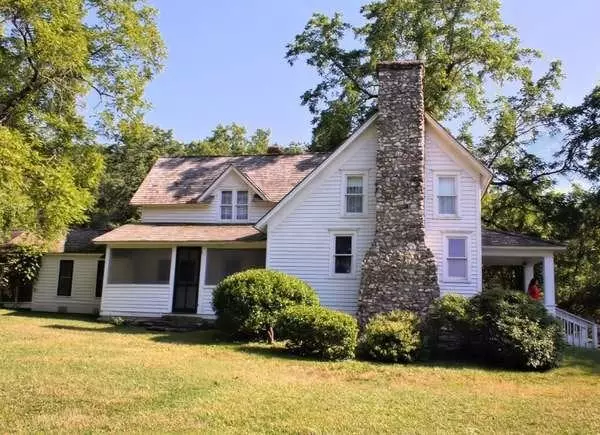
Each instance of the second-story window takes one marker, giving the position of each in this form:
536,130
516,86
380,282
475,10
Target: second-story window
447,196
234,205
241,207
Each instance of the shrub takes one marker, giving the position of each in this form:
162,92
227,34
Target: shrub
451,328
247,303
518,332
391,337
319,332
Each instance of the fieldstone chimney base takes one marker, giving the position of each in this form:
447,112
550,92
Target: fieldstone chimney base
399,270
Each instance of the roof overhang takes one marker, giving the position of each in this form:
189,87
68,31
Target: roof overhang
229,170
462,152
262,222
179,234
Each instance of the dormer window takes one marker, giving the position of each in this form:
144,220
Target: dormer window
354,195
447,195
234,204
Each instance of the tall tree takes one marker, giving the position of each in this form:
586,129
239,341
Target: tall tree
52,54
134,150
231,139
464,44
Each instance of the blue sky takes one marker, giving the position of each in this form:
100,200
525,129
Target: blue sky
226,59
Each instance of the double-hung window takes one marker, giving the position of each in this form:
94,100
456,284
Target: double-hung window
354,201
234,205
457,263
343,254
447,195
65,278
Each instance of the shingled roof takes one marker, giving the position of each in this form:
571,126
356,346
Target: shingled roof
183,180
499,238
76,241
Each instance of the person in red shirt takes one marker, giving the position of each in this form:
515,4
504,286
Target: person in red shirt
534,290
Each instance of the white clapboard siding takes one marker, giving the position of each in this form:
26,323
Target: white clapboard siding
299,240
468,223
207,213
136,300
205,305
83,291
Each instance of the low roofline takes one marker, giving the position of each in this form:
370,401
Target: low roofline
526,248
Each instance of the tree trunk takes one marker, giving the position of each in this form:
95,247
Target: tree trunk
271,335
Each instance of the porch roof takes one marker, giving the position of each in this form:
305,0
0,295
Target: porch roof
165,233
497,238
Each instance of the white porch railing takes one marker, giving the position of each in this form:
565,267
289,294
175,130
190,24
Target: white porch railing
578,331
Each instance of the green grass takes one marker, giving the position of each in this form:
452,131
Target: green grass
66,374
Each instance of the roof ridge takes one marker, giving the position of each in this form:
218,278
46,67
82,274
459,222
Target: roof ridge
203,156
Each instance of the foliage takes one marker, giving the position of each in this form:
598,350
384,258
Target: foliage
231,140
391,337
53,54
248,303
318,331
517,332
19,267
449,327
136,148
464,44
499,327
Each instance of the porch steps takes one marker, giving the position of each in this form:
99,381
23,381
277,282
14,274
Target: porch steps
173,323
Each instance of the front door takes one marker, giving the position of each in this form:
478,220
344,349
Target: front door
187,279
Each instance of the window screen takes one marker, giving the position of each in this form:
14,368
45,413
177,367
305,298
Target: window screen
457,258
221,263
354,194
139,266
447,195
65,278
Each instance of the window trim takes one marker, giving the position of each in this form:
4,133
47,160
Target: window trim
333,234
445,266
436,202
58,289
344,191
234,204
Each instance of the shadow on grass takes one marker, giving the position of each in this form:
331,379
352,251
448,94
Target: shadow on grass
49,315
586,360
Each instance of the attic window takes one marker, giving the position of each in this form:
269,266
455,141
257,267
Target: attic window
234,205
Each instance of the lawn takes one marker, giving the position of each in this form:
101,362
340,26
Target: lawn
68,374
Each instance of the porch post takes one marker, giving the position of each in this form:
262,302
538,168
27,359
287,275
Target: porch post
549,295
527,275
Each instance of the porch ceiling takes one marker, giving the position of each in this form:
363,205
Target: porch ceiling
156,233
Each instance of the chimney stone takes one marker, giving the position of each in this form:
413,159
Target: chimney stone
399,270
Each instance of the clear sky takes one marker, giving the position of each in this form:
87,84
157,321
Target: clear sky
226,59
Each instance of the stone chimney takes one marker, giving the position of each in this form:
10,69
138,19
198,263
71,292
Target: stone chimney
399,270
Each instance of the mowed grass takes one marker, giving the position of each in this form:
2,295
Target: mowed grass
68,374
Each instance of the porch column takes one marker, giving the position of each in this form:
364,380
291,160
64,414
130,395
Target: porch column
549,295
527,275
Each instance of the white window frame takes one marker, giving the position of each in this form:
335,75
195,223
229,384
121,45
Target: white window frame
445,266
332,236
234,204
436,202
344,190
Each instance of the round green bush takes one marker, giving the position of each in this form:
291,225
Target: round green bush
391,337
319,332
248,303
518,332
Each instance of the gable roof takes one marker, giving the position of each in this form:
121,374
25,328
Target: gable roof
463,153
497,238
184,180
